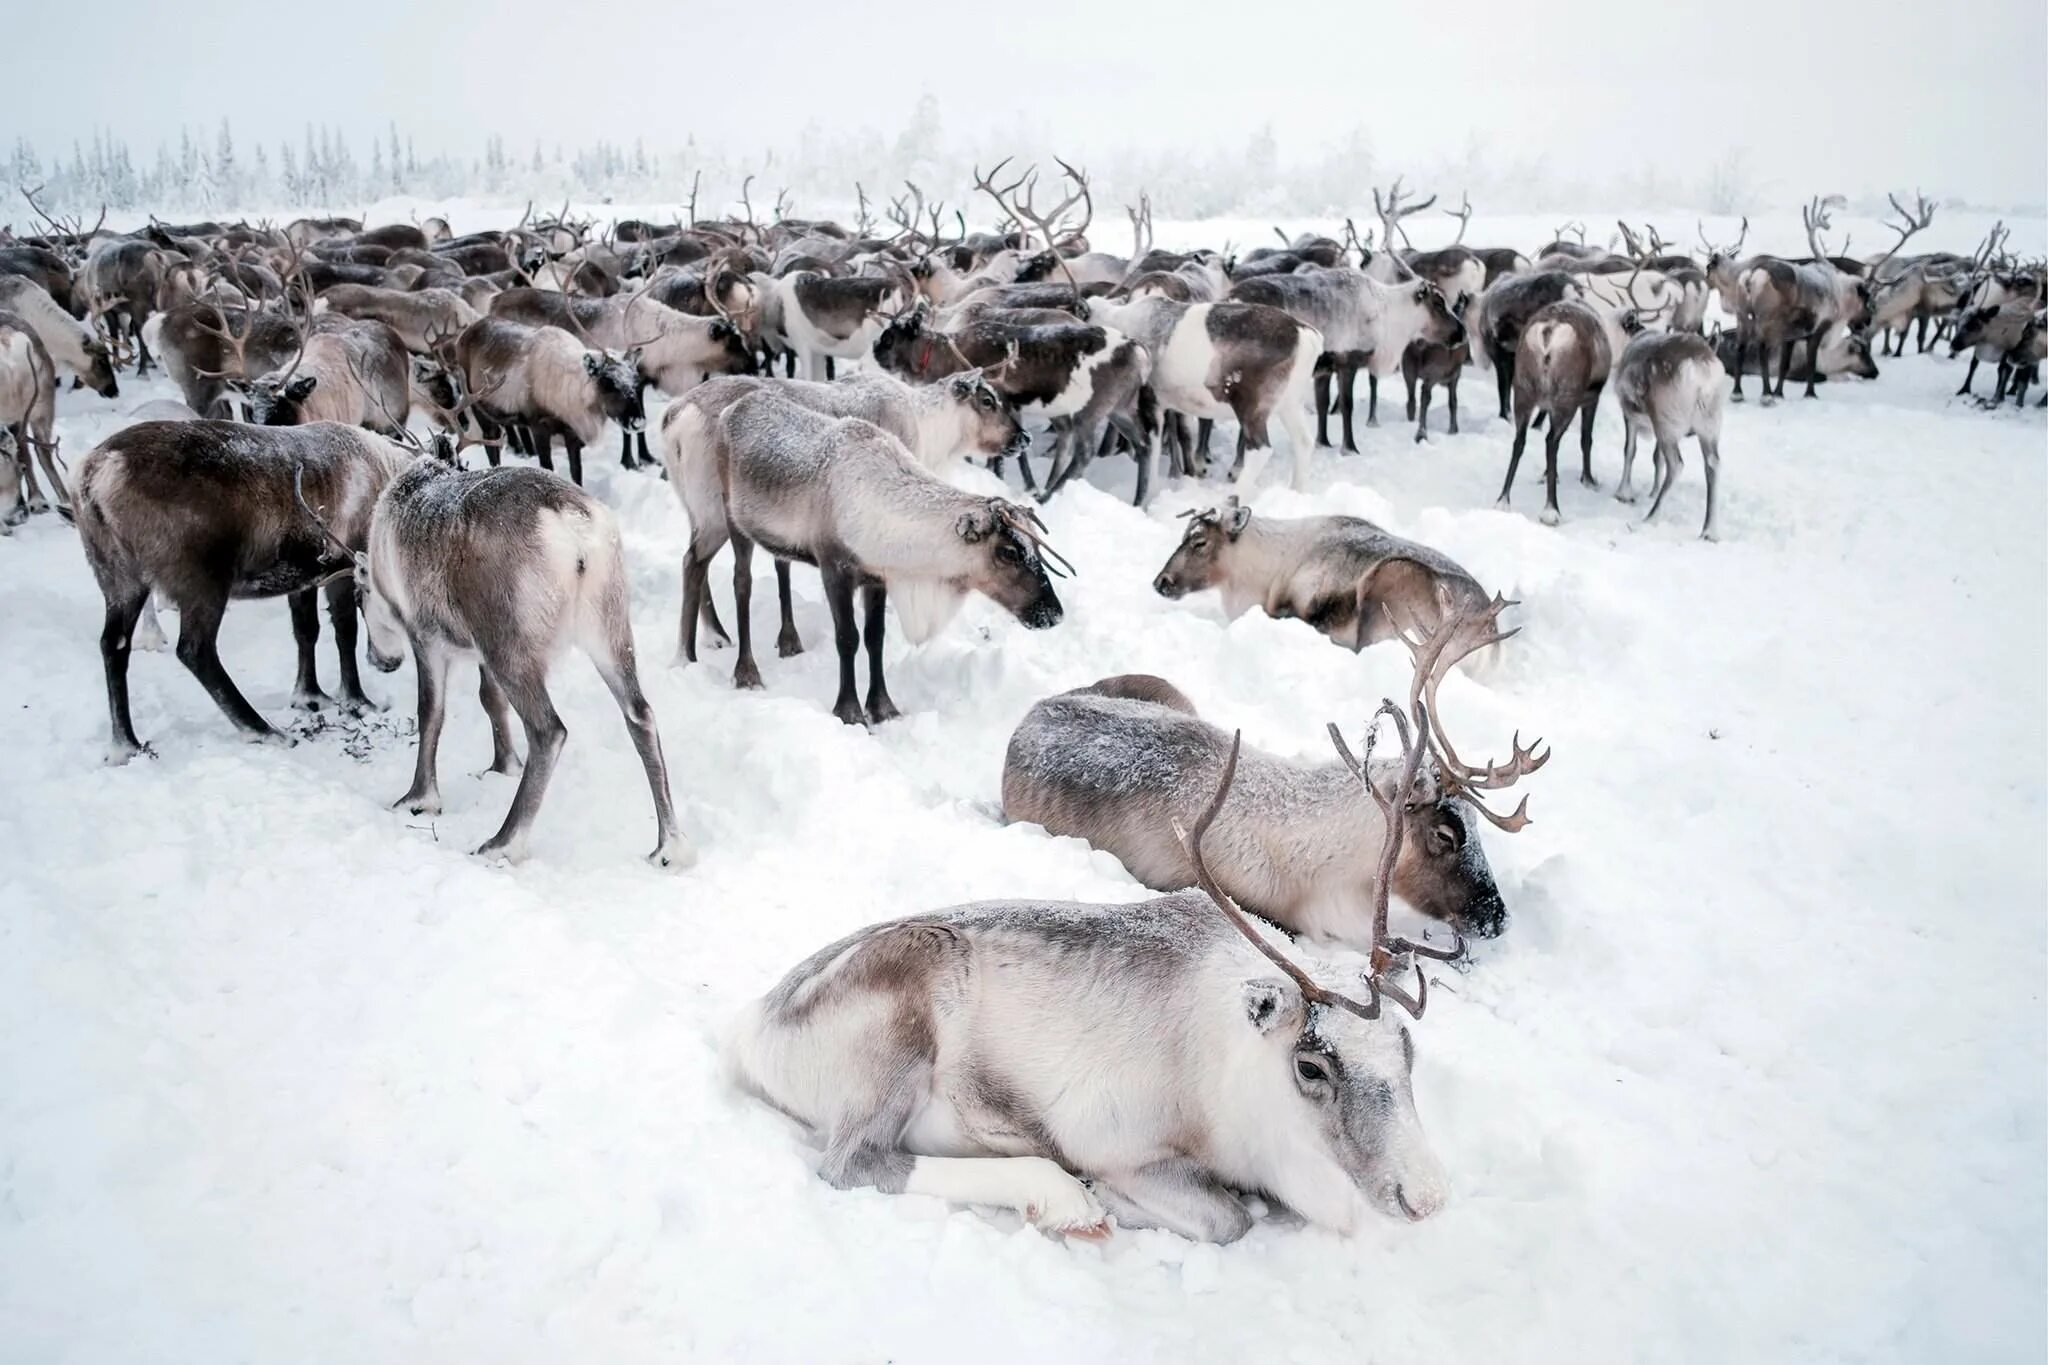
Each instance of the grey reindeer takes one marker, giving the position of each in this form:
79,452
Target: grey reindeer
1122,761
846,496
1154,1062
508,566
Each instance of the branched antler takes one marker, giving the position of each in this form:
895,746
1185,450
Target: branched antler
1027,214
1463,213
1910,221
1391,212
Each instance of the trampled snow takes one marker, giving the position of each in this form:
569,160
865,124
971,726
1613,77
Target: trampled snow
1757,1072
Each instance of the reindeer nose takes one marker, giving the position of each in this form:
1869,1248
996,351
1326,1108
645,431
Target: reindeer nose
1165,585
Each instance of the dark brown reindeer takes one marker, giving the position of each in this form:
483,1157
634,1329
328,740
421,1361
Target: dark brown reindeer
546,381
1561,367
204,512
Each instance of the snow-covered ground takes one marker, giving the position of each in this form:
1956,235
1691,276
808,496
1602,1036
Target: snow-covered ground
1756,1074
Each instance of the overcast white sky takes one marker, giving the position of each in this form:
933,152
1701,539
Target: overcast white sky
1822,93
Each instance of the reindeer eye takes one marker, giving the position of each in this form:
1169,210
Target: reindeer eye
1310,1070
1009,554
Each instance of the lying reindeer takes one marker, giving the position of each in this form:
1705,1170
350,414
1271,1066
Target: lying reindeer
202,512
846,496
1169,1052
508,567
1346,577
937,423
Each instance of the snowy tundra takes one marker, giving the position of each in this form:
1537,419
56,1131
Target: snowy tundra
1758,1072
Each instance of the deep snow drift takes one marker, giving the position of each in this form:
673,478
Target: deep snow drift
1757,1072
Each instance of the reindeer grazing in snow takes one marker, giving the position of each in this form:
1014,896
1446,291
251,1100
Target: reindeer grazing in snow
1561,367
546,381
202,512
937,423
1670,385
1350,580
994,1053
69,342
509,567
845,496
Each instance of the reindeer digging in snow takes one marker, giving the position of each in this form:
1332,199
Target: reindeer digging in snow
1344,576
203,512
937,423
508,567
1169,1052
1670,385
69,342
847,497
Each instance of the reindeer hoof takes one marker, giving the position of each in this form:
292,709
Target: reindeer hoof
1549,516
419,803
788,646
747,677
1589,481
674,854
850,713
1626,495
119,754
880,712
1736,397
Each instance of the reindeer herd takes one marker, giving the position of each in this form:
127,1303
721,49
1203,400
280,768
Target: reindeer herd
1158,1061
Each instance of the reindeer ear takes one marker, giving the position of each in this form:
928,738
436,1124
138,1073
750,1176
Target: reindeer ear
1272,1005
974,525
592,363
1239,518
300,387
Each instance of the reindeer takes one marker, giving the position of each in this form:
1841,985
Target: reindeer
1782,301
845,496
936,423
508,567
1561,366
1076,376
1122,761
70,343
1365,324
1503,313
1350,580
28,410
47,268
2006,333
544,379
1245,361
1431,363
1005,1031
344,370
422,318
1844,354
1670,385
205,347
202,512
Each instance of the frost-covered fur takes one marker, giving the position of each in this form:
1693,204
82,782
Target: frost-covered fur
420,317
69,342
349,371
508,567
1124,762
1001,1053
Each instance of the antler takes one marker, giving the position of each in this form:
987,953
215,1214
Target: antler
1911,222
1391,213
1457,637
863,218
1024,211
1026,522
1463,213
1815,217
1728,251
299,496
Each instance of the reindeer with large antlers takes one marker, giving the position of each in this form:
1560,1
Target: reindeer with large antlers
1171,1053
1123,761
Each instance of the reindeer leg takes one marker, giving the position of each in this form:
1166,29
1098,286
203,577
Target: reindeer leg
1812,362
1177,1194
745,673
1451,395
625,448
1422,421
504,758
198,649
1785,363
35,502
1627,491
430,665
1710,455
873,596
1372,399
1586,414
1920,344
1741,354
1552,439
493,436
1322,390
1968,378
306,693
526,688
1205,427
1408,378
573,448
341,610
1347,388
788,644
613,655
142,355
1671,461
1514,456
846,636
124,606
1504,380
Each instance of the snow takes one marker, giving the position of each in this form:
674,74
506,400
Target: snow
1756,1073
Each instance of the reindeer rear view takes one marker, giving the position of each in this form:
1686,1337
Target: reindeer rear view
508,567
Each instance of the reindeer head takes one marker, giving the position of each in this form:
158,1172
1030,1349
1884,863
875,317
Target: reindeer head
991,424
896,345
1442,871
616,378
276,399
1199,561
1441,322
1014,566
99,373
